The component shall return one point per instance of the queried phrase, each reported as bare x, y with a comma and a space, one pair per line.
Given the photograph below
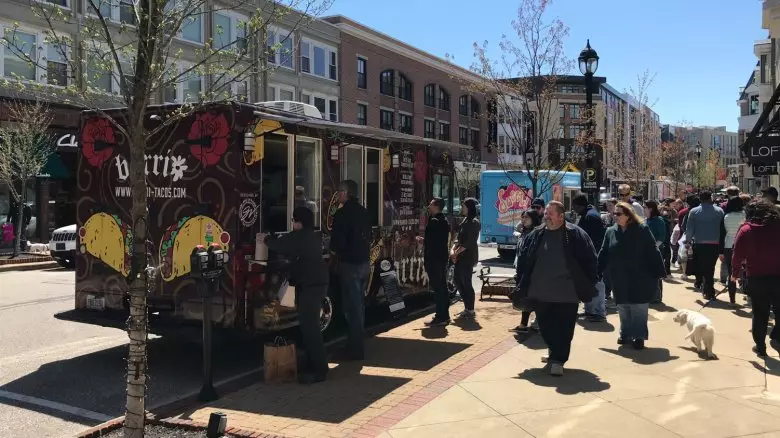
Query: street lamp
734, 178
698, 166
589, 63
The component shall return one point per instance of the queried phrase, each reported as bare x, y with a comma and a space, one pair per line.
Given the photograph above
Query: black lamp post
734, 178
698, 166
589, 63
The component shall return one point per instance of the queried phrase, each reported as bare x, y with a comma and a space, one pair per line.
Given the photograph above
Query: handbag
521, 302
286, 295
280, 362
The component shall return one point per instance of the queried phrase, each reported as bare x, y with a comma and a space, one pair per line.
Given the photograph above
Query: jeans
726, 264
659, 297
724, 273
556, 324
309, 306
463, 273
437, 275
666, 253
354, 279
705, 257
598, 306
633, 321
764, 292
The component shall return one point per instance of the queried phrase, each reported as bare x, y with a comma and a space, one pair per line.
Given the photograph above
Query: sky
699, 51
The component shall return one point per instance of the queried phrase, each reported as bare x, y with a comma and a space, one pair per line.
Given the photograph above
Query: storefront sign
765, 150
469, 170
247, 210
68, 141
511, 201
764, 169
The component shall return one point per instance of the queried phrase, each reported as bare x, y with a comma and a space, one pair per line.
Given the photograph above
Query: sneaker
760, 351
556, 369
437, 322
546, 358
639, 344
622, 341
466, 314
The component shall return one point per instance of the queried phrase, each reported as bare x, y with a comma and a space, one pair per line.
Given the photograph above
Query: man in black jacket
436, 240
557, 268
349, 240
590, 221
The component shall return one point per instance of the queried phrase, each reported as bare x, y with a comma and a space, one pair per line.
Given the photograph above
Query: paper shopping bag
286, 295
280, 362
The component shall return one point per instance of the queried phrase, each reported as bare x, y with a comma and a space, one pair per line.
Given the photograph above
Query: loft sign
764, 169
765, 150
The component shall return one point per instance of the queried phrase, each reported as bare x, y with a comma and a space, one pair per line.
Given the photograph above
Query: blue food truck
506, 194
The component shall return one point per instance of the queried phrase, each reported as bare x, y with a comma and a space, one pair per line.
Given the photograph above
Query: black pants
765, 294
666, 253
309, 305
463, 273
675, 253
705, 256
732, 284
524, 317
556, 323
437, 275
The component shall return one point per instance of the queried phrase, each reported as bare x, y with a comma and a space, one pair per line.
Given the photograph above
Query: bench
495, 284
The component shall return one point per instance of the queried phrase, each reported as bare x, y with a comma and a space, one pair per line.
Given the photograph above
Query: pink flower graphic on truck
512, 201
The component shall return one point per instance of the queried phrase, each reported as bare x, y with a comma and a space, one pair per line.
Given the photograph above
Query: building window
571, 89
192, 27
122, 11
319, 59
386, 82
463, 135
474, 108
305, 98
754, 104
361, 73
763, 69
386, 119
56, 65
333, 110
502, 147
574, 111
362, 114
319, 102
560, 132
21, 46
229, 33
561, 110
463, 105
444, 100
98, 77
429, 98
430, 129
475, 138
576, 130
444, 131
405, 123
404, 88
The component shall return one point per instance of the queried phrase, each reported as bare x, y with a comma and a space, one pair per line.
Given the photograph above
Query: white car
62, 246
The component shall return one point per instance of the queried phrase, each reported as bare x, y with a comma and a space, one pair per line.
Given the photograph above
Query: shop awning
54, 168
763, 142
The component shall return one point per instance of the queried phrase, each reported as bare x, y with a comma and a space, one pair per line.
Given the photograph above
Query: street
58, 378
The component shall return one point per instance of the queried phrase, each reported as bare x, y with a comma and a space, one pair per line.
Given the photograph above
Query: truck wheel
506, 254
326, 313
453, 290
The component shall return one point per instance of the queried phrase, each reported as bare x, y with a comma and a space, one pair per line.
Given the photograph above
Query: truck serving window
441, 189
308, 171
364, 166
275, 184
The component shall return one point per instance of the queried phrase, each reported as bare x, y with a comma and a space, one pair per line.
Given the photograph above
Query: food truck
229, 172
506, 194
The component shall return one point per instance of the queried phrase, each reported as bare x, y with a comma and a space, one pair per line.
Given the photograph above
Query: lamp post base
207, 393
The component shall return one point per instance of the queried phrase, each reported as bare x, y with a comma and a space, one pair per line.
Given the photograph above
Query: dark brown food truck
231, 171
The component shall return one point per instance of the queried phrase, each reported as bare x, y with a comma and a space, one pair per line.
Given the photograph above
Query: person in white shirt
624, 193
732, 221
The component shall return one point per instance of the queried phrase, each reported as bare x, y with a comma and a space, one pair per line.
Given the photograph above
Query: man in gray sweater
703, 232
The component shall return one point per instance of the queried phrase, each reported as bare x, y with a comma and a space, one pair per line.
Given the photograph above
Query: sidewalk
479, 381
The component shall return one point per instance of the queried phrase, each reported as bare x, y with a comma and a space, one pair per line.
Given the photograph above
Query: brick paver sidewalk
478, 380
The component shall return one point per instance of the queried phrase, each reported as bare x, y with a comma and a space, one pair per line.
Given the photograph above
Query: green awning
54, 168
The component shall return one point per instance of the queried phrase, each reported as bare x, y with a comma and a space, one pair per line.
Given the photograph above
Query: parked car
62, 246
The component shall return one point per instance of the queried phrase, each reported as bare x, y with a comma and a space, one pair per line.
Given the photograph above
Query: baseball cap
538, 202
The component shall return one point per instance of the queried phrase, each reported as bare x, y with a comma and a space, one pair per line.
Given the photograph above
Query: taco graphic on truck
107, 238
179, 239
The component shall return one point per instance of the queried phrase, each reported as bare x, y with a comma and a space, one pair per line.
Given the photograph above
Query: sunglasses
618, 214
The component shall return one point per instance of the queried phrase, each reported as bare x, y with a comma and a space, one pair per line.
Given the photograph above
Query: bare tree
644, 135
128, 54
24, 150
706, 170
523, 83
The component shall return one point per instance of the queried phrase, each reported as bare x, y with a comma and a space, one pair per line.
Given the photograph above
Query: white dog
38, 247
700, 330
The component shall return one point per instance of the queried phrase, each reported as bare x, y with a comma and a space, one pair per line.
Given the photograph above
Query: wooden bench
495, 284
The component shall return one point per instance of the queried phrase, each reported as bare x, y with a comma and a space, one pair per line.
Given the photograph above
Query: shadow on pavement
532, 340
604, 326
770, 366
648, 356
468, 325
409, 354
741, 312
662, 307
573, 381
701, 355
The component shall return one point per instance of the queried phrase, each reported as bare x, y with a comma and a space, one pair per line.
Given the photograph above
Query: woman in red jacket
757, 245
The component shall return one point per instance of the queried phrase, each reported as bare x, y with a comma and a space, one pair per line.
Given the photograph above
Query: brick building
391, 85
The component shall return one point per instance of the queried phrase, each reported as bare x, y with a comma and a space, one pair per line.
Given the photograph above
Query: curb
11, 267
112, 425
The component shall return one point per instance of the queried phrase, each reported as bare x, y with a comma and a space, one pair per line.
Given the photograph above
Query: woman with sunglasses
630, 259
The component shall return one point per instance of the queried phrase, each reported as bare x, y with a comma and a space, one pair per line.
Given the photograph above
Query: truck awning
356, 130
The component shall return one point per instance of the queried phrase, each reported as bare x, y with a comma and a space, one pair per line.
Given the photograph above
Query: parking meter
199, 261
217, 258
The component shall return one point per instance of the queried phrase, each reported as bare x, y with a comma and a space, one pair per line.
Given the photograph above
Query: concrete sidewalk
479, 380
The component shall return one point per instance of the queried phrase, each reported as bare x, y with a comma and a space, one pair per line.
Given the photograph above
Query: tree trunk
139, 286
20, 201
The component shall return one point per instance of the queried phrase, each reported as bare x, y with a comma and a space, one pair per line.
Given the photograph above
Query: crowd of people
613, 257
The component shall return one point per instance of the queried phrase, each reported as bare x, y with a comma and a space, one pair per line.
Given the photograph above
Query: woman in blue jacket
657, 226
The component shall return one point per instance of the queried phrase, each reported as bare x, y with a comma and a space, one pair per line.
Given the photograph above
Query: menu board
407, 216
388, 278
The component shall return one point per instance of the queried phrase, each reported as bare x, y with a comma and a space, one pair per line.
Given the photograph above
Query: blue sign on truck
504, 196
